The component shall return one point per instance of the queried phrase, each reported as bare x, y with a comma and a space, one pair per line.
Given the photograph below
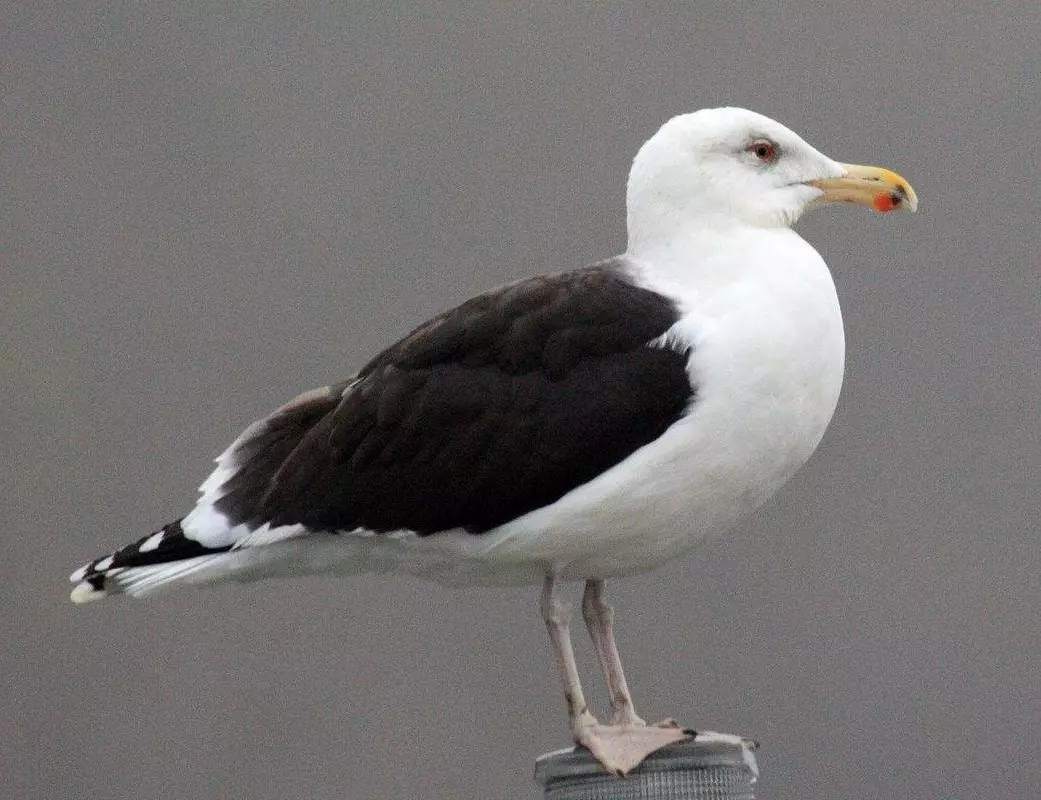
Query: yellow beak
875, 187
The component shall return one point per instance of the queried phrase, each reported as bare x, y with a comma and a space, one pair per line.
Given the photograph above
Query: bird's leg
557, 615
621, 745
599, 617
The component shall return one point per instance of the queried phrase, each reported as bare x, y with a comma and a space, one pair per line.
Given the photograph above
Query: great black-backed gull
576, 426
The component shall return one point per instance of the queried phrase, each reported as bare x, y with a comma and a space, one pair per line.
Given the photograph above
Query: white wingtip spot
85, 593
151, 543
104, 564
80, 574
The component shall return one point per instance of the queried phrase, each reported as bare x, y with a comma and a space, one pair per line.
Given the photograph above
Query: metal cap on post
712, 766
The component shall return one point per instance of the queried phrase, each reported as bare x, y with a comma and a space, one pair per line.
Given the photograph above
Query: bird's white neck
658, 212
702, 259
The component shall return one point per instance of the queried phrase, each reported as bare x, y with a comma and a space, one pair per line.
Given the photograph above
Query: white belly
767, 353
768, 362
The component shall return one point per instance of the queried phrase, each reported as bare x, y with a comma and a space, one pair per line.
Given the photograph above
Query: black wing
487, 412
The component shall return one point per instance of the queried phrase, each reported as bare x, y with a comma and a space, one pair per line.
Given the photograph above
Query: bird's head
732, 166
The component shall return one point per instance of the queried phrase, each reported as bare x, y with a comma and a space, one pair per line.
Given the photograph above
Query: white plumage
755, 315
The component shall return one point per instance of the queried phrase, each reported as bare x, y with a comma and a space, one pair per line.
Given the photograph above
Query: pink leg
620, 746
557, 615
599, 617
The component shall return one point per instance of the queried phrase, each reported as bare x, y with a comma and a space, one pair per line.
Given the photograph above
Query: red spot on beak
885, 202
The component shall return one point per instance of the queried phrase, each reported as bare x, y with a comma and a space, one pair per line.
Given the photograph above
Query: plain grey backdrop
207, 209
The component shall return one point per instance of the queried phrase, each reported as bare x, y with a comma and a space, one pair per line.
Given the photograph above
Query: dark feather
172, 545
488, 411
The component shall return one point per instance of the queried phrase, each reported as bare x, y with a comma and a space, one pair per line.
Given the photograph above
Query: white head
729, 166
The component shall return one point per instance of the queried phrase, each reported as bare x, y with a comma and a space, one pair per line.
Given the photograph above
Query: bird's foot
620, 748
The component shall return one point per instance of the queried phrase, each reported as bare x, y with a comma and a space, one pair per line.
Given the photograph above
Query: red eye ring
764, 150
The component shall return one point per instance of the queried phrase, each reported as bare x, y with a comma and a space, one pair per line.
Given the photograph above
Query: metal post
712, 766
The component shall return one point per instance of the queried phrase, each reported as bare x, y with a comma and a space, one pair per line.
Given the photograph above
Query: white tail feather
144, 581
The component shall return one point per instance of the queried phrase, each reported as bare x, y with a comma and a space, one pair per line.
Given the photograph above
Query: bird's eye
764, 150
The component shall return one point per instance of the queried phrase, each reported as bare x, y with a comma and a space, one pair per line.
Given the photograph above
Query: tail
144, 566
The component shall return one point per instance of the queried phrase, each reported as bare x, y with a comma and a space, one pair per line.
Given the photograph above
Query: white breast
767, 359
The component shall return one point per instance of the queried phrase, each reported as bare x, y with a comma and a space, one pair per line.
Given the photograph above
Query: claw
621, 748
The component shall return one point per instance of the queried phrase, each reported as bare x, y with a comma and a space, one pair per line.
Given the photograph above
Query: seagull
577, 426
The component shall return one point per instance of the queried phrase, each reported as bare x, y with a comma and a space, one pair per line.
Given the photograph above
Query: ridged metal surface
710, 767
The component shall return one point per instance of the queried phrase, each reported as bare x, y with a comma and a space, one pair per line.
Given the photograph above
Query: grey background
206, 210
